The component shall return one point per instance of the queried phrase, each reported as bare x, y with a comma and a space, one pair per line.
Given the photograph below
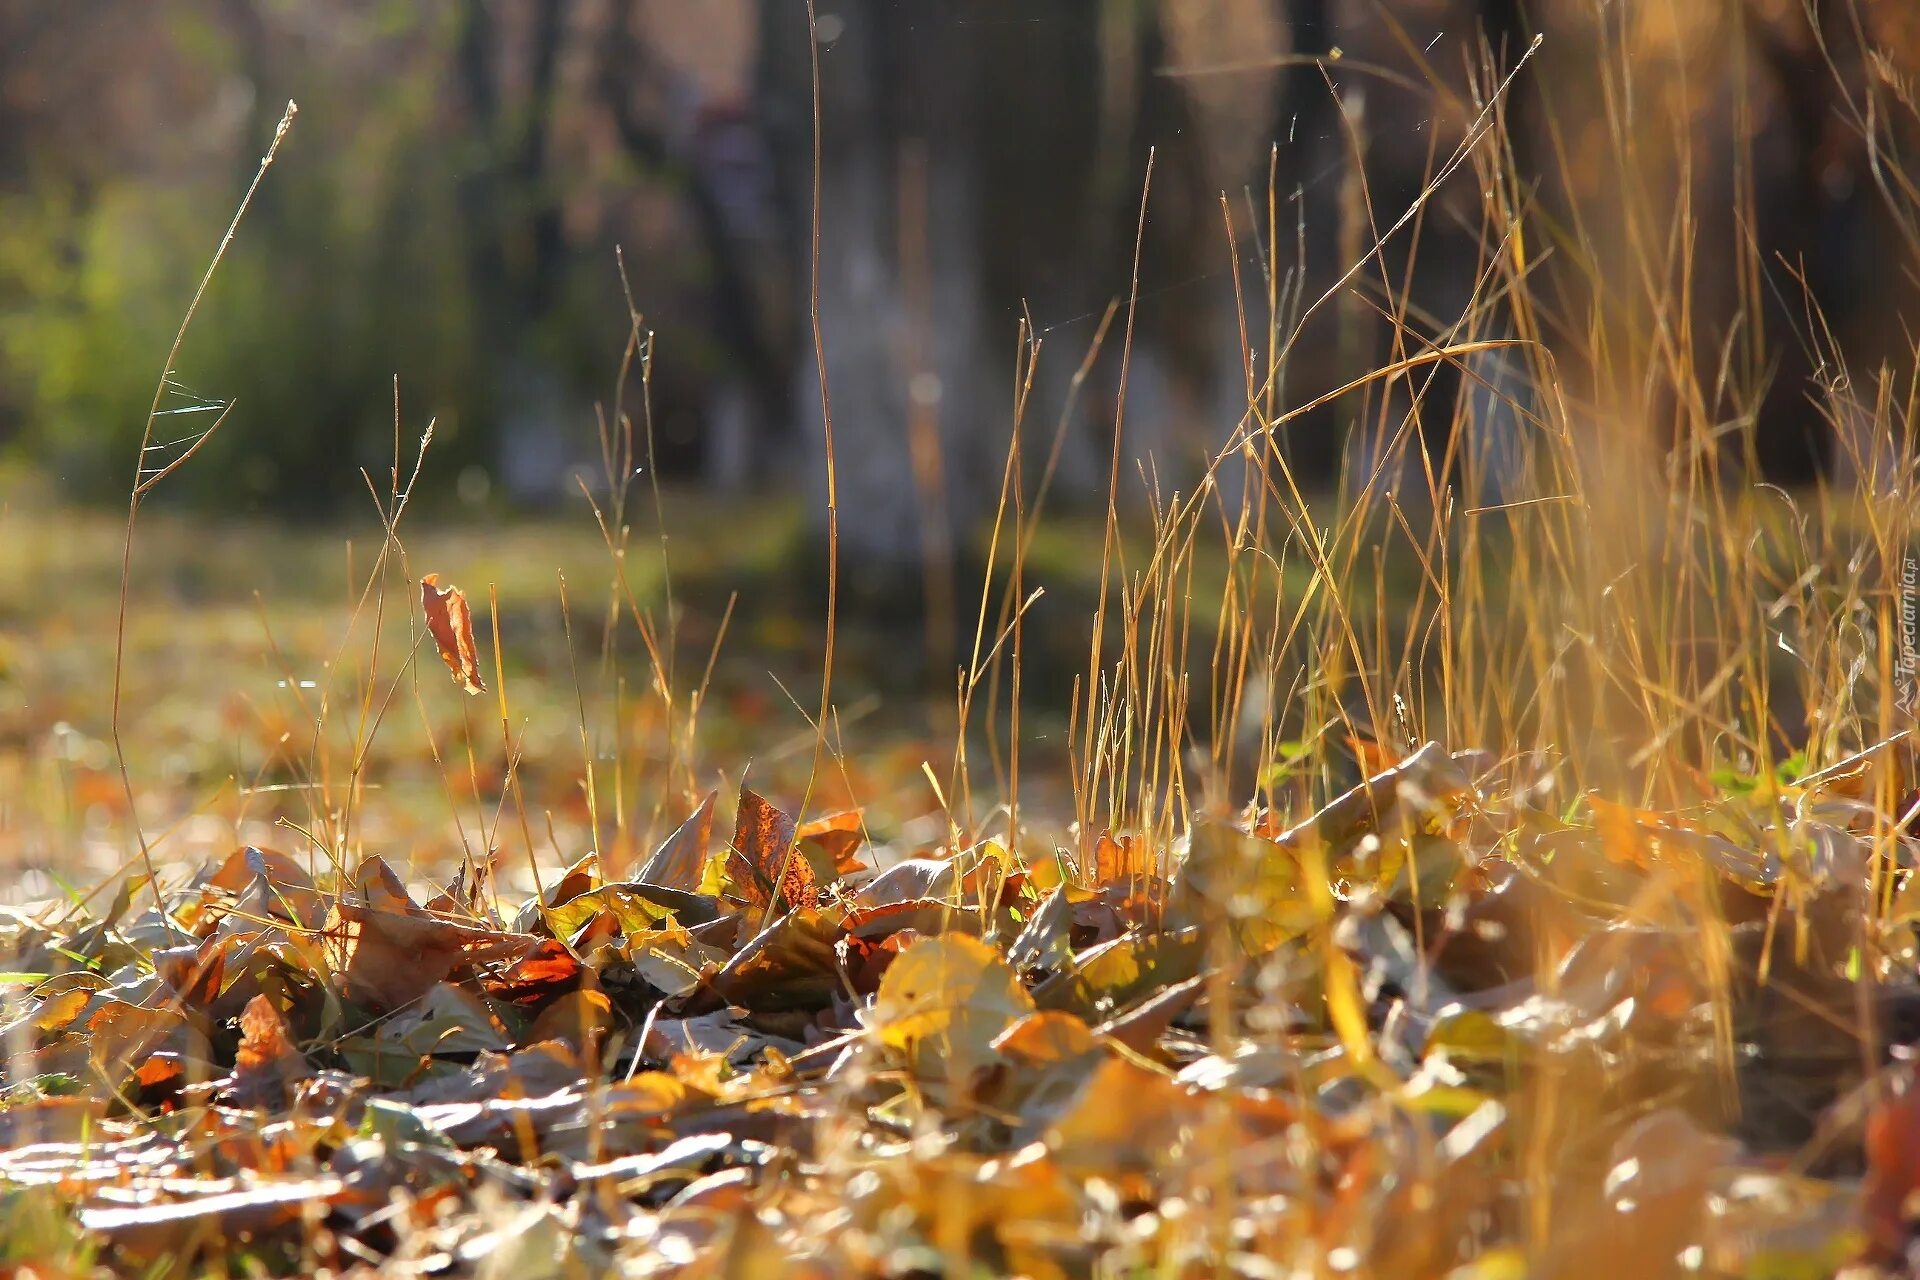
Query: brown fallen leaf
1656, 1199
267, 1061
758, 863
1420, 792
910, 880
1142, 1025
834, 842
1125, 1118
790, 964
1892, 1143
578, 1020
270, 884
680, 860
391, 952
122, 1035
451, 622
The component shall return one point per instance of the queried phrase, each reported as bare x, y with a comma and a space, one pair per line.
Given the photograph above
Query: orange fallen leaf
451, 622
1374, 757
837, 837
160, 1069
548, 968
762, 837
1046, 1038
1892, 1143
1121, 858
267, 1060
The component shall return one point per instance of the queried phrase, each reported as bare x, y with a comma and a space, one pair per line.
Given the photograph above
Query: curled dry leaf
910, 880
265, 883
267, 1060
451, 622
1420, 793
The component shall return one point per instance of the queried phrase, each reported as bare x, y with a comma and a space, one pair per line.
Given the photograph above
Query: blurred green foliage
315, 310
390, 241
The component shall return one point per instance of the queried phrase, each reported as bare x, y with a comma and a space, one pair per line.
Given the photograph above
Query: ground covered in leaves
1447, 1024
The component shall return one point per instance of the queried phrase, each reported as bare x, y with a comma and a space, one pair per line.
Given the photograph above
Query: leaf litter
1275, 1047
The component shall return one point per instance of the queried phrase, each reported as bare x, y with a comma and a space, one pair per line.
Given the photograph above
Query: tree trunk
900, 308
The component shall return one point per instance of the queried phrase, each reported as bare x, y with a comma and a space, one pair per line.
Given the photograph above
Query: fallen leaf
451, 622
944, 1002
392, 952
123, 1034
758, 861
1121, 858
682, 857
1047, 1037
836, 838
628, 906
448, 1020
267, 1060
1045, 938
1893, 1167
790, 964
545, 970
1141, 1026
1125, 1117
910, 880
578, 1020
270, 884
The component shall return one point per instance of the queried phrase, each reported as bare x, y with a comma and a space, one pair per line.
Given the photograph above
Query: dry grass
1601, 968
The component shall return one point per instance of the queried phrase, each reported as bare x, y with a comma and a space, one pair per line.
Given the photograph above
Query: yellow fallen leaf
944, 1002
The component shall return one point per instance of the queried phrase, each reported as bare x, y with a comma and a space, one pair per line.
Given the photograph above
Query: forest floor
616, 965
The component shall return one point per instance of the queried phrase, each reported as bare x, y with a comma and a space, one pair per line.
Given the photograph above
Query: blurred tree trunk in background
721, 170
515, 242
981, 158
900, 301
463, 169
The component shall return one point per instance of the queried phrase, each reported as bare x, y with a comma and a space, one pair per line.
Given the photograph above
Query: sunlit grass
1457, 872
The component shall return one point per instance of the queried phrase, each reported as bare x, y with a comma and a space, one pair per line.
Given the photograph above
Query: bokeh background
464, 172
